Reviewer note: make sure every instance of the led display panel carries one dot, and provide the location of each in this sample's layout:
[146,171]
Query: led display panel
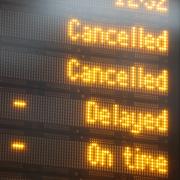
[14,177]
[69,31]
[90,154]
[62,111]
[149,7]
[95,74]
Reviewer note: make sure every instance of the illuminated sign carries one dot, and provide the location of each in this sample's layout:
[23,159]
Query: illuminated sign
[160,6]
[99,157]
[92,154]
[71,31]
[135,159]
[138,160]
[128,38]
[98,76]
[92,73]
[134,120]
[90,113]
[132,78]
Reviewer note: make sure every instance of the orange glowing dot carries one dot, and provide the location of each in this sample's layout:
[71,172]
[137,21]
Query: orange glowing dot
[19,104]
[18,146]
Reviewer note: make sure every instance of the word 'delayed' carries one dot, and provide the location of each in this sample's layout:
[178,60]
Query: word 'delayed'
[125,118]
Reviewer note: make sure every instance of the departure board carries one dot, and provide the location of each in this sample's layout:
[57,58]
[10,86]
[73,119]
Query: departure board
[92,73]
[75,28]
[91,154]
[145,120]
[87,89]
